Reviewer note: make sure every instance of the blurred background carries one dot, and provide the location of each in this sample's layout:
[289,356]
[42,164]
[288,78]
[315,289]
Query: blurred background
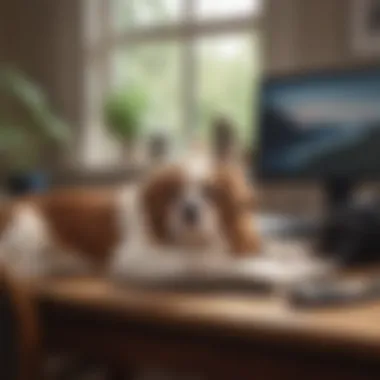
[114,73]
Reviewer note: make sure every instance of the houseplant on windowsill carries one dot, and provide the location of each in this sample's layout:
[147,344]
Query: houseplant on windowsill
[28,131]
[124,111]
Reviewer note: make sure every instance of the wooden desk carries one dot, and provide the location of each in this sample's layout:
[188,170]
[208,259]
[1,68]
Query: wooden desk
[223,336]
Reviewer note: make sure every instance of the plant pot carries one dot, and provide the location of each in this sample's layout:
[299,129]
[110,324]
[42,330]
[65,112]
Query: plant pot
[23,183]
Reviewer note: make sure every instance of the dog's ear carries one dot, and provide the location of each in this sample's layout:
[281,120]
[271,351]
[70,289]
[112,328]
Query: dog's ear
[234,183]
[236,199]
[244,237]
[250,200]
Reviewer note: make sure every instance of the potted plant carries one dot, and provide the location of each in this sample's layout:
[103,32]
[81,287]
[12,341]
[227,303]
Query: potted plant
[28,130]
[124,111]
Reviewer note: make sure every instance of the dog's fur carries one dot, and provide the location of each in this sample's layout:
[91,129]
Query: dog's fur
[102,229]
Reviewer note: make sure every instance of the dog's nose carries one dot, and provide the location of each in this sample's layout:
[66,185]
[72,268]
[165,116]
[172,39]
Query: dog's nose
[190,213]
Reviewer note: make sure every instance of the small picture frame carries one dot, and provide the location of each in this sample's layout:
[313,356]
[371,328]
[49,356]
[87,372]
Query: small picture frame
[366,27]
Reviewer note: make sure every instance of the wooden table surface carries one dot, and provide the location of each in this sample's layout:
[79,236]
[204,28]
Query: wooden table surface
[248,319]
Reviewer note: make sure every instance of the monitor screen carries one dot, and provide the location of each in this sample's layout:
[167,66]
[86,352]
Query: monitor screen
[324,125]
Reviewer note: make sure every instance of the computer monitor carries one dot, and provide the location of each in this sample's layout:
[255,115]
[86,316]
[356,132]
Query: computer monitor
[321,126]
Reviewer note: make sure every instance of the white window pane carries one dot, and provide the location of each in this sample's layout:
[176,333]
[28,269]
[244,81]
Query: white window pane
[226,8]
[134,13]
[154,67]
[228,72]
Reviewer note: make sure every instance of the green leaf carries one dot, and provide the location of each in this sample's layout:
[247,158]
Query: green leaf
[124,111]
[27,122]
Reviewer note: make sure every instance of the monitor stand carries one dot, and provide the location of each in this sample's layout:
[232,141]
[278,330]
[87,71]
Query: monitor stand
[339,205]
[338,193]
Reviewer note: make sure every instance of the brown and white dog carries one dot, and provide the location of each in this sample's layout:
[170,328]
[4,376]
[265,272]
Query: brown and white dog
[197,210]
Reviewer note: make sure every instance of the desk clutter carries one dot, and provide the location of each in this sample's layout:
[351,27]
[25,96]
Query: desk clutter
[288,269]
[285,265]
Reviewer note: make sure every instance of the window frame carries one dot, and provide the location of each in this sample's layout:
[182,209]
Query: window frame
[187,29]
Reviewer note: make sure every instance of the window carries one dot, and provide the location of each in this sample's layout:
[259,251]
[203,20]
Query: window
[193,58]
[224,80]
[129,14]
[212,9]
[156,68]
